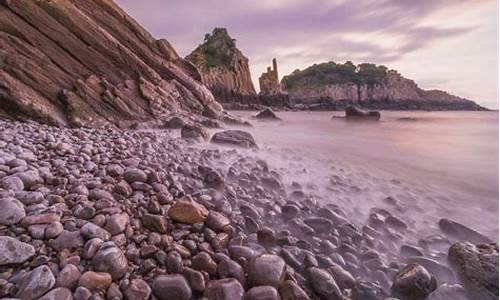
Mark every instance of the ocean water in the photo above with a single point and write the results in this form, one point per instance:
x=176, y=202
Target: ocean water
x=435, y=164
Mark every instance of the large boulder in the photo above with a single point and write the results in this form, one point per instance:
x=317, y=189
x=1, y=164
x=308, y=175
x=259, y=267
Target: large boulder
x=353, y=112
x=267, y=114
x=234, y=138
x=462, y=232
x=477, y=268
x=413, y=282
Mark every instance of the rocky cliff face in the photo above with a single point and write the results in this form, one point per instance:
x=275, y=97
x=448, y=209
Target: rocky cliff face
x=224, y=69
x=331, y=86
x=269, y=81
x=83, y=62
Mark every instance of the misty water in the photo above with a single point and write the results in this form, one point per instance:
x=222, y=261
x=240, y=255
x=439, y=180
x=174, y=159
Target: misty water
x=435, y=164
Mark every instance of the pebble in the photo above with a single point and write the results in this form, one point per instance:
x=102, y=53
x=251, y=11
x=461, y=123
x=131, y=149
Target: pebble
x=13, y=251
x=11, y=211
x=266, y=269
x=186, y=210
x=36, y=283
x=171, y=287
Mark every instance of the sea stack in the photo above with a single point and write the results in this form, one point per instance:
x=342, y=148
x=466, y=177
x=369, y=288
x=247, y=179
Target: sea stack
x=223, y=67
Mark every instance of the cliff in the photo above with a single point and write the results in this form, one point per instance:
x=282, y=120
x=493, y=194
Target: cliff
x=224, y=69
x=333, y=86
x=87, y=63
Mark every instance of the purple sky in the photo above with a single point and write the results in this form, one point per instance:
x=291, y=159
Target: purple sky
x=446, y=44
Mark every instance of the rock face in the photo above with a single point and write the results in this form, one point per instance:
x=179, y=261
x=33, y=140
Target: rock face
x=334, y=86
x=269, y=81
x=224, y=69
x=477, y=267
x=74, y=63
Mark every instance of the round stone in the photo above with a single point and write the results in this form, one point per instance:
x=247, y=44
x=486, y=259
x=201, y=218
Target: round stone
x=171, y=287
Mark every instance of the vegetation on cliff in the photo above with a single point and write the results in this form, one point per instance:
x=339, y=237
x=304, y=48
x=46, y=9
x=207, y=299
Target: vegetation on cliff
x=331, y=73
x=217, y=50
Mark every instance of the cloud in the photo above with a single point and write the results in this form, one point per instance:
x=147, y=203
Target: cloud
x=302, y=32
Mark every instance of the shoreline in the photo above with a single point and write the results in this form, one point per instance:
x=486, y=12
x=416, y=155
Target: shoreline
x=114, y=192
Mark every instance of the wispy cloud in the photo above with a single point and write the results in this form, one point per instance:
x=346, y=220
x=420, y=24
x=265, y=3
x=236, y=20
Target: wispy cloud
x=301, y=32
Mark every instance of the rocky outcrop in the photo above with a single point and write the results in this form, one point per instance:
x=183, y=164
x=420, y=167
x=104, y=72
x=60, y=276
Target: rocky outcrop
x=224, y=69
x=75, y=63
x=335, y=86
x=269, y=81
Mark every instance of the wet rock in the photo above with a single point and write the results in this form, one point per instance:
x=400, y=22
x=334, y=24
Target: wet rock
x=342, y=277
x=262, y=293
x=228, y=268
x=442, y=272
x=290, y=290
x=68, y=277
x=13, y=251
x=11, y=211
x=203, y=262
x=171, y=287
x=58, y=294
x=477, y=268
x=413, y=282
x=95, y=281
x=195, y=279
x=234, y=138
x=156, y=223
x=186, y=210
x=224, y=289
x=91, y=231
x=116, y=223
x=368, y=290
x=82, y=293
x=461, y=232
x=217, y=221
x=290, y=211
x=449, y=291
x=132, y=175
x=323, y=284
x=320, y=225
x=138, y=289
x=353, y=112
x=110, y=259
x=191, y=131
x=266, y=269
x=266, y=114
x=36, y=283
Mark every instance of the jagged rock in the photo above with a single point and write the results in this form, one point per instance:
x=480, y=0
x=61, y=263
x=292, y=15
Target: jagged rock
x=269, y=81
x=477, y=267
x=89, y=63
x=234, y=138
x=13, y=251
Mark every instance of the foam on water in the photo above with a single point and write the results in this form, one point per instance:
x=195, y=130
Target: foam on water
x=435, y=164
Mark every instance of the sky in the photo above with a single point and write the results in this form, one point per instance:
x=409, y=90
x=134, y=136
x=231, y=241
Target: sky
x=450, y=45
